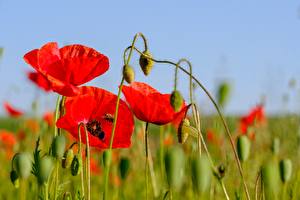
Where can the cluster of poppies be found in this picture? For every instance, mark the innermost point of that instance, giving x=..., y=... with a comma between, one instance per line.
x=64, y=70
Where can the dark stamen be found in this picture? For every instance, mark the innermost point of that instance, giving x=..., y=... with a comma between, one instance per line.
x=94, y=127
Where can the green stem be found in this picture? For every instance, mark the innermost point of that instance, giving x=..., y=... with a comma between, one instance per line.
x=218, y=110
x=57, y=114
x=46, y=191
x=80, y=154
x=56, y=179
x=161, y=152
x=88, y=164
x=146, y=161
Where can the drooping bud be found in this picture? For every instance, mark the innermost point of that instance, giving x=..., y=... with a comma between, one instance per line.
x=76, y=165
x=243, y=147
x=22, y=165
x=275, y=146
x=271, y=180
x=58, y=146
x=44, y=169
x=14, y=178
x=67, y=159
x=146, y=63
x=128, y=73
x=285, y=167
x=201, y=174
x=174, y=164
x=183, y=130
x=176, y=100
x=124, y=166
x=107, y=158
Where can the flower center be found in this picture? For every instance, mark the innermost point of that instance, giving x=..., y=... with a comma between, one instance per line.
x=94, y=127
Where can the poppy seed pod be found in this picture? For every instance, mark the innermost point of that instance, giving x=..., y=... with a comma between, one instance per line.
x=44, y=169
x=128, y=73
x=14, y=178
x=146, y=63
x=67, y=159
x=22, y=165
x=275, y=146
x=124, y=166
x=176, y=100
x=285, y=167
x=107, y=158
x=271, y=180
x=201, y=174
x=174, y=165
x=243, y=147
x=76, y=165
x=183, y=130
x=58, y=146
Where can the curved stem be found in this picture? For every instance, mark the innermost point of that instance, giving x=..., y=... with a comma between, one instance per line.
x=256, y=185
x=216, y=107
x=80, y=153
x=87, y=166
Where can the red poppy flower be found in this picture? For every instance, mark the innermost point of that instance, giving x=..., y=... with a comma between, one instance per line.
x=7, y=139
x=151, y=106
x=11, y=111
x=39, y=80
x=48, y=117
x=95, y=107
x=67, y=67
x=256, y=115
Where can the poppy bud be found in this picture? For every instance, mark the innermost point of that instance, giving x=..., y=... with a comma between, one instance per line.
x=176, y=100
x=44, y=169
x=221, y=170
x=223, y=93
x=124, y=167
x=67, y=159
x=285, y=167
x=201, y=173
x=76, y=165
x=271, y=180
x=22, y=165
x=146, y=63
x=183, y=130
x=107, y=158
x=174, y=164
x=275, y=146
x=128, y=73
x=14, y=178
x=58, y=146
x=243, y=147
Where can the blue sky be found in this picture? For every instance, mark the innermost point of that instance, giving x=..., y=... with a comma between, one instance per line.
x=253, y=44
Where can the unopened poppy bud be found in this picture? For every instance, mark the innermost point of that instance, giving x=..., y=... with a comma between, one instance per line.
x=271, y=180
x=223, y=94
x=22, y=165
x=107, y=158
x=44, y=169
x=221, y=170
x=124, y=167
x=275, y=146
x=243, y=147
x=285, y=167
x=201, y=173
x=76, y=165
x=176, y=100
x=128, y=73
x=67, y=159
x=58, y=146
x=183, y=130
x=146, y=63
x=14, y=178
x=174, y=164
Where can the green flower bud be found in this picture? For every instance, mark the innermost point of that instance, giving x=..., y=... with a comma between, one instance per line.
x=201, y=174
x=183, y=130
x=174, y=164
x=275, y=146
x=76, y=165
x=14, y=178
x=58, y=146
x=176, y=100
x=124, y=167
x=128, y=73
x=243, y=147
x=223, y=94
x=67, y=159
x=285, y=167
x=22, y=165
x=107, y=158
x=271, y=180
x=146, y=63
x=44, y=169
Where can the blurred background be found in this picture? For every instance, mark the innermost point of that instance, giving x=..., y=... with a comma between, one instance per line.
x=254, y=46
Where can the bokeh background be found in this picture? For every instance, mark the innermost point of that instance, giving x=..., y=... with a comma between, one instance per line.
x=254, y=45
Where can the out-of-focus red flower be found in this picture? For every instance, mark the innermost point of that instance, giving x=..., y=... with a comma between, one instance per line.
x=7, y=139
x=11, y=111
x=168, y=140
x=95, y=107
x=210, y=136
x=255, y=116
x=32, y=125
x=48, y=117
x=21, y=135
x=67, y=67
x=94, y=166
x=40, y=80
x=151, y=106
